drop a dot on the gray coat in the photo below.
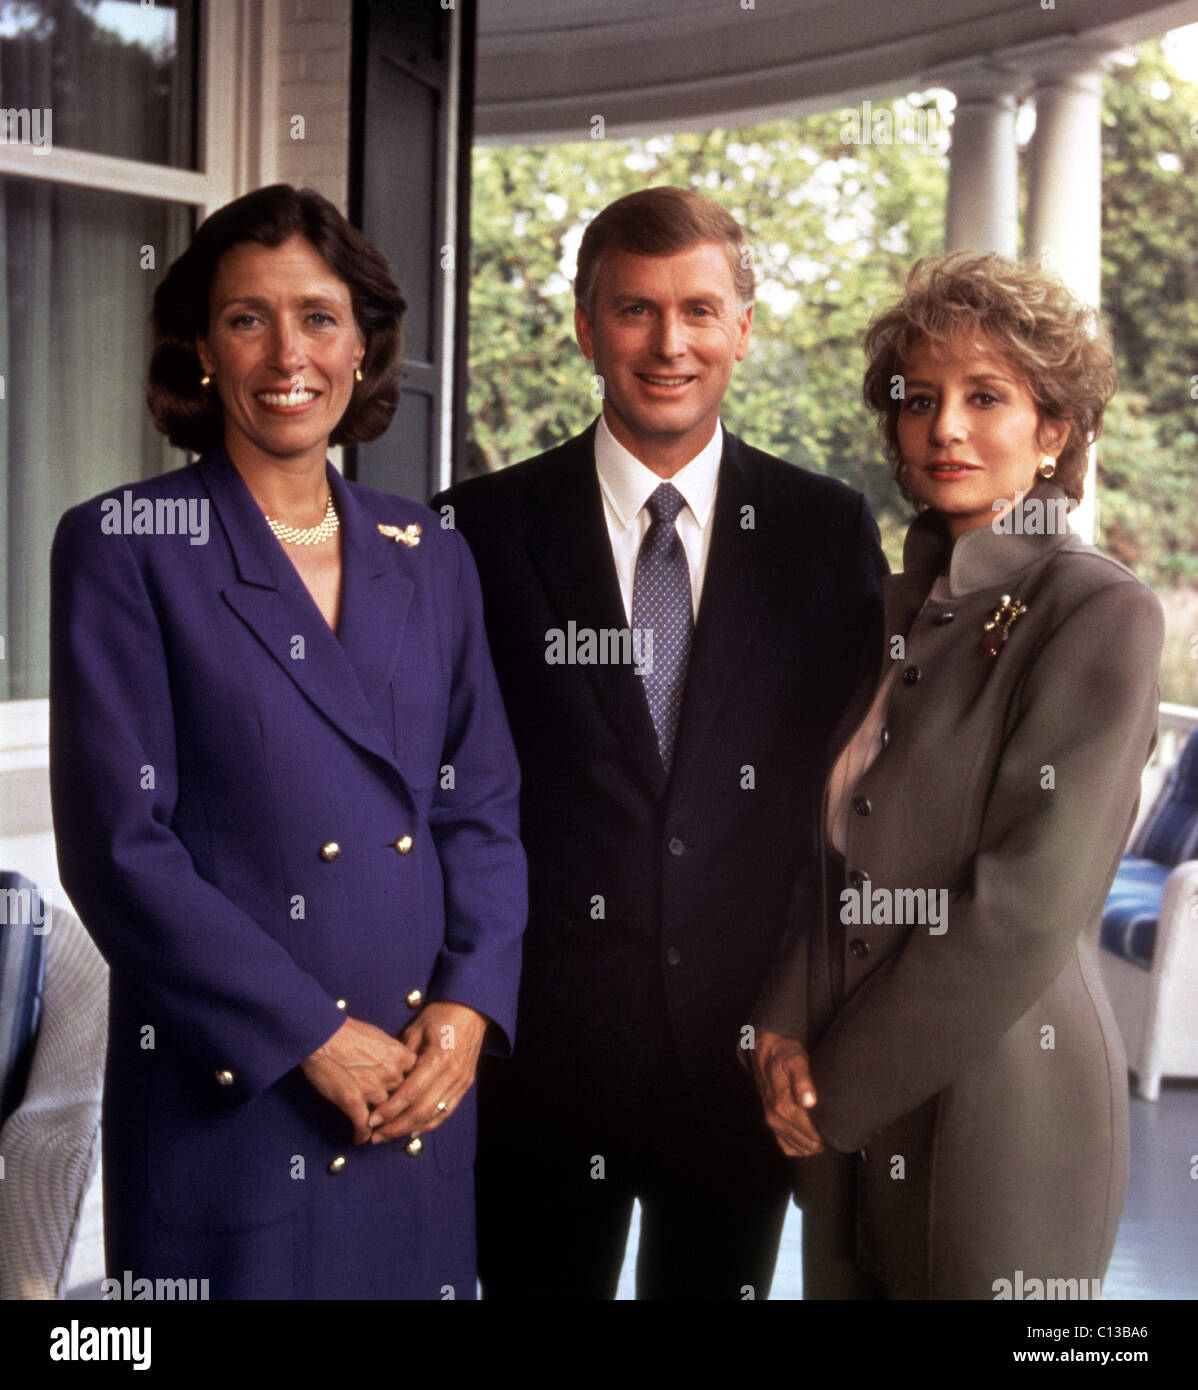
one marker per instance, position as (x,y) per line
(982,1050)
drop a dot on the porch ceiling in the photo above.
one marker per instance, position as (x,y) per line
(547,67)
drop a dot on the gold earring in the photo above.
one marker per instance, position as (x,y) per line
(357,373)
(206,381)
(1047,467)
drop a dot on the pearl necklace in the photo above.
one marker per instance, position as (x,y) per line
(308,535)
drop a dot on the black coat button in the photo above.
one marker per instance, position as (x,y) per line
(673,955)
(859,948)
(910,675)
(941,618)
(856,877)
(885,738)
(861,804)
(676,846)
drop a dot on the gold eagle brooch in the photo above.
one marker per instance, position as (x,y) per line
(408,535)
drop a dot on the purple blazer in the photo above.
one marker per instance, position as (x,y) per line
(257,818)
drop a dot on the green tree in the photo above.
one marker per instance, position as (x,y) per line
(1146,461)
(834,226)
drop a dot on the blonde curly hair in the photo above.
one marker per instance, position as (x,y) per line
(1029,317)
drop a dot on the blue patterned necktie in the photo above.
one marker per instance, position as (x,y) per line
(661,603)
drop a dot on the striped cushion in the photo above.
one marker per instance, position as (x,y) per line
(1132,909)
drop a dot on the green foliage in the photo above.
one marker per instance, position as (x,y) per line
(1146,460)
(834,229)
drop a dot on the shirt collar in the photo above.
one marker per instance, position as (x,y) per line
(627,484)
(983,558)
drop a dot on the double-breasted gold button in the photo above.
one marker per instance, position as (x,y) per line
(414,999)
(330,851)
(414,1145)
(224,1077)
(338,1164)
(341,1004)
(404,844)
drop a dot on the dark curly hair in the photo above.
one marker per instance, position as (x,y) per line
(1057,343)
(191,417)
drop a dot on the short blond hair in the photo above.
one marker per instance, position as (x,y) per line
(660,222)
(1028,316)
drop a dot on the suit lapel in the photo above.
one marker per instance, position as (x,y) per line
(375,600)
(734,597)
(571,550)
(902,596)
(270,598)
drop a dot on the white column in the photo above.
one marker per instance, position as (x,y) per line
(982,210)
(1064,206)
(1064,210)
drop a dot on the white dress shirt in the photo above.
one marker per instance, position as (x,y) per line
(626,485)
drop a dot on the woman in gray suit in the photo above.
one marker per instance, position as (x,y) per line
(935,1047)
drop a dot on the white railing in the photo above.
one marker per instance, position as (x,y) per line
(1173,727)
(1176,721)
(27,842)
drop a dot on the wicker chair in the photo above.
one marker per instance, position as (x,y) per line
(1150,934)
(51,1141)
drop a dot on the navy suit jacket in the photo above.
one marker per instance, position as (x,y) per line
(210,737)
(656,905)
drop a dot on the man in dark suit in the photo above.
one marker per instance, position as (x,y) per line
(676,621)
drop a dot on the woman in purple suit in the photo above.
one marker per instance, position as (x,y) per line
(284,797)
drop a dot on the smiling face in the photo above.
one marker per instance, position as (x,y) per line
(664,333)
(283,345)
(969,432)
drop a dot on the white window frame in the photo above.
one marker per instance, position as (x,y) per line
(237,101)
(237,97)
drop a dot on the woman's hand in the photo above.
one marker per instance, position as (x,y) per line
(357,1069)
(783,1078)
(446,1039)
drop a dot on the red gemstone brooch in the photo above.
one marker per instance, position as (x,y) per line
(998,626)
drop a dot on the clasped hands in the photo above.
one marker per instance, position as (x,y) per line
(783,1076)
(389,1087)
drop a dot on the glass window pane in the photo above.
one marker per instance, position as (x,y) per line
(115,77)
(79,272)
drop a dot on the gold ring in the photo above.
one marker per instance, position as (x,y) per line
(442,1107)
